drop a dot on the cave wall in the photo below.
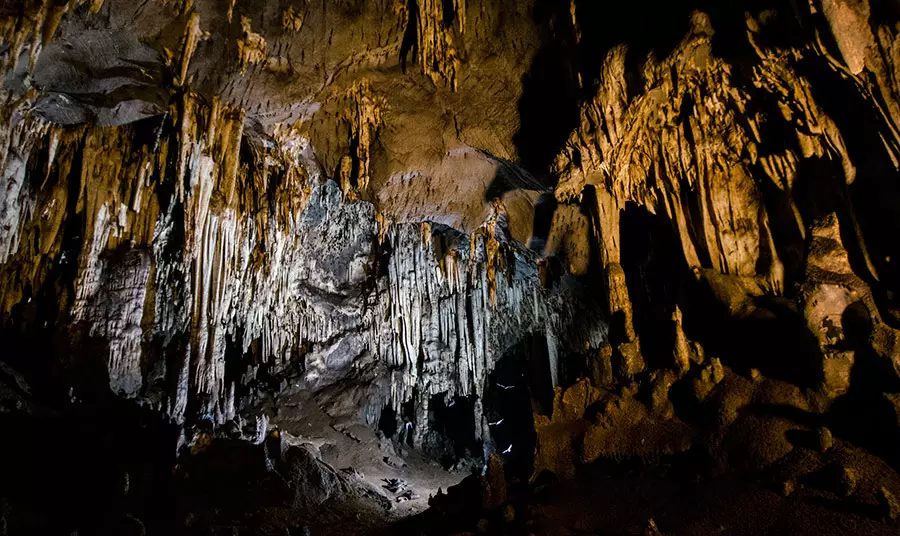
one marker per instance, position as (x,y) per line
(741,138)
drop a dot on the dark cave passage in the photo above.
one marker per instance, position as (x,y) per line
(774,336)
(544,209)
(453,421)
(654,272)
(548,107)
(388,421)
(519,386)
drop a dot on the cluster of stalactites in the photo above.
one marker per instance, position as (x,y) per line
(262,268)
(34,26)
(438,42)
(451,317)
(127,233)
(364,113)
(716,152)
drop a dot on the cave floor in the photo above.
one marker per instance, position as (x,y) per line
(726,506)
(683,497)
(356,448)
(802,493)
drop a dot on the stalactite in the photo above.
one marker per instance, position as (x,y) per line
(364,112)
(19,141)
(182,7)
(38,23)
(115,315)
(437,50)
(291,19)
(192,35)
(252,48)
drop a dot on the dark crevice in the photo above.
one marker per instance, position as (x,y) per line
(518,387)
(773,334)
(654,268)
(872,194)
(548,108)
(410,43)
(451,424)
(110,444)
(544,210)
(864,415)
(645,28)
(387,423)
(448,12)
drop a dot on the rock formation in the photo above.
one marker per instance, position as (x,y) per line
(550,234)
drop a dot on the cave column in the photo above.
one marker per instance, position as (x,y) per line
(623,338)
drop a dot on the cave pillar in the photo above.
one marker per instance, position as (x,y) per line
(627,358)
(420,426)
(830,296)
(682,350)
(345,174)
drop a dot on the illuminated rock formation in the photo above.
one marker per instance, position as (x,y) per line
(542,233)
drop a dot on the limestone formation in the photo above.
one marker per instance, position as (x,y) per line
(548,238)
